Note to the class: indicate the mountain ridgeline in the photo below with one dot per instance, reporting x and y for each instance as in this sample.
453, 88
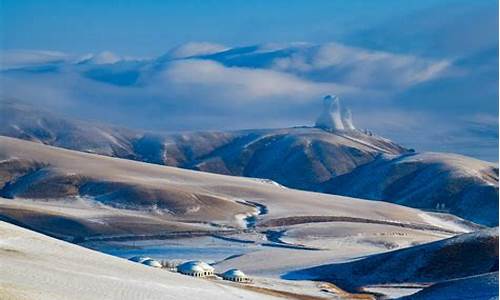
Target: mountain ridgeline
332, 157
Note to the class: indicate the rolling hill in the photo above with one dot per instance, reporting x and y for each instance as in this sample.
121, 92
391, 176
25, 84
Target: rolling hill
35, 266
460, 256
100, 195
452, 183
479, 287
97, 200
317, 159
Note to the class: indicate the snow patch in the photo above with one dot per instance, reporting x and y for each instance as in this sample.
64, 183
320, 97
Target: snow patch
450, 225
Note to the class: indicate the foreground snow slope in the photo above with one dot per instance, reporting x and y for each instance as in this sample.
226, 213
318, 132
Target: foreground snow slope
35, 266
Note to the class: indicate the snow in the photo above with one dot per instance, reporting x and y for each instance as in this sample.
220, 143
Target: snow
340, 241
453, 226
364, 143
38, 267
413, 267
269, 181
465, 185
59, 270
279, 201
479, 287
393, 291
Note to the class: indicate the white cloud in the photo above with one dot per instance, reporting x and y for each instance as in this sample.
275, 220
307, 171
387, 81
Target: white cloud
196, 48
272, 86
242, 84
13, 59
361, 67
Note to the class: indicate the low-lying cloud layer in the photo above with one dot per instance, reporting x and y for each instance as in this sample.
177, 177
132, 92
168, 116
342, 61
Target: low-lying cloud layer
363, 68
210, 86
242, 84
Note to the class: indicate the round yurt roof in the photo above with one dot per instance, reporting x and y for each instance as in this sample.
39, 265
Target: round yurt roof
152, 263
206, 266
195, 266
234, 273
139, 259
193, 269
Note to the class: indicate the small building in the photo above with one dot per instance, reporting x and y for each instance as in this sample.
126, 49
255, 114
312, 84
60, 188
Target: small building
196, 268
139, 259
235, 275
152, 263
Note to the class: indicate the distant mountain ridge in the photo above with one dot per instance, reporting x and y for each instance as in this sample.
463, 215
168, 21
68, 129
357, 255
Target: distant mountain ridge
299, 157
344, 162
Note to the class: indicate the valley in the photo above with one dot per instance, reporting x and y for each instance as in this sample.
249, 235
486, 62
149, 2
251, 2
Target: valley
127, 208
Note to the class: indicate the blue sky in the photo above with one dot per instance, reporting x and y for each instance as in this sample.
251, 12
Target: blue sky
424, 73
148, 28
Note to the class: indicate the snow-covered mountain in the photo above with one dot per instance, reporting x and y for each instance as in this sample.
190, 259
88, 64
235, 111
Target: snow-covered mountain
325, 159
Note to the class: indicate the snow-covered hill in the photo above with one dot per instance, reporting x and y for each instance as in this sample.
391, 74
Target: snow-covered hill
461, 256
93, 199
452, 183
479, 287
318, 159
21, 120
300, 157
104, 195
35, 266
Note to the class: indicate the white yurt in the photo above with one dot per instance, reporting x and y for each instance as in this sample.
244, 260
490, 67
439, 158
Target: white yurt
195, 268
139, 259
152, 263
235, 275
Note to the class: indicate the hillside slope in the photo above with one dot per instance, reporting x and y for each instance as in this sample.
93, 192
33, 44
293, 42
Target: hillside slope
460, 185
461, 256
296, 157
479, 287
264, 228
21, 120
35, 266
334, 161
53, 187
